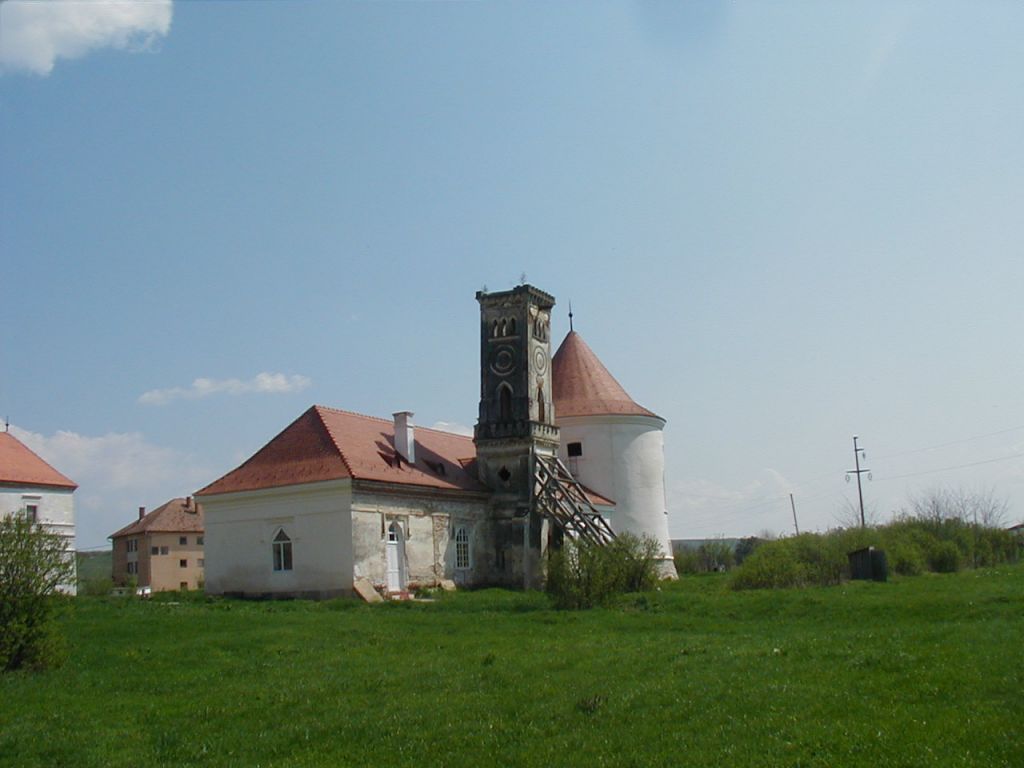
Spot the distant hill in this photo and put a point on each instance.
(94, 565)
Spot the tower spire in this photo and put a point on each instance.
(570, 315)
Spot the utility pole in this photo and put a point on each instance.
(857, 453)
(793, 505)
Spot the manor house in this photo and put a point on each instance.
(559, 449)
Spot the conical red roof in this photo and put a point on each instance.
(582, 386)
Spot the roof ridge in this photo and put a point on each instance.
(388, 421)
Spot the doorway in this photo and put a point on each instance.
(395, 551)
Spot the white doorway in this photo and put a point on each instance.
(395, 550)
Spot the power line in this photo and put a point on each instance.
(951, 442)
(958, 466)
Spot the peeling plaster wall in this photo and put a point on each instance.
(240, 527)
(428, 526)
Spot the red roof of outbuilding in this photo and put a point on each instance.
(328, 444)
(19, 465)
(582, 386)
(177, 515)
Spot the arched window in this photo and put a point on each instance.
(282, 549)
(462, 547)
(540, 404)
(494, 329)
(504, 327)
(512, 327)
(504, 402)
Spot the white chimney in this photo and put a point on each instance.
(405, 436)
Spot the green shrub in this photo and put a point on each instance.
(716, 555)
(687, 561)
(771, 566)
(944, 557)
(33, 565)
(905, 558)
(745, 548)
(582, 575)
(95, 587)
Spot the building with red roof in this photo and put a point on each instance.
(30, 486)
(162, 550)
(338, 497)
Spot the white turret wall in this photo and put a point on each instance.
(624, 460)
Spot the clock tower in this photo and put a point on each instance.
(516, 422)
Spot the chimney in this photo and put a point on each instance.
(405, 437)
(142, 512)
(188, 502)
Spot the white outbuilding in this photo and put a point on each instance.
(611, 444)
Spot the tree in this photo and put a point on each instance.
(848, 515)
(34, 563)
(982, 507)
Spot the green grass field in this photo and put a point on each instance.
(924, 671)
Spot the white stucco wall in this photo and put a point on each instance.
(623, 459)
(240, 528)
(55, 511)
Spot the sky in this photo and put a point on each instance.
(779, 224)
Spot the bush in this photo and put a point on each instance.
(582, 575)
(944, 557)
(772, 565)
(33, 565)
(745, 548)
(98, 587)
(687, 561)
(716, 556)
(912, 544)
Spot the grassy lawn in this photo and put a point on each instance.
(918, 672)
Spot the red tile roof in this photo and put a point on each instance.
(328, 444)
(20, 466)
(582, 386)
(172, 517)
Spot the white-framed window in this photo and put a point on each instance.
(154, 550)
(32, 513)
(282, 550)
(132, 545)
(462, 547)
(183, 541)
(165, 550)
(132, 568)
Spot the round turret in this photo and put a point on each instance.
(611, 444)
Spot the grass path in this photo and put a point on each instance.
(918, 672)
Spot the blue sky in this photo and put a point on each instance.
(780, 225)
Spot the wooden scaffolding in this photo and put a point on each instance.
(559, 497)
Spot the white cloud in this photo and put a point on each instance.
(262, 383)
(33, 35)
(116, 473)
(454, 427)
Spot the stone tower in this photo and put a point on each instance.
(516, 421)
